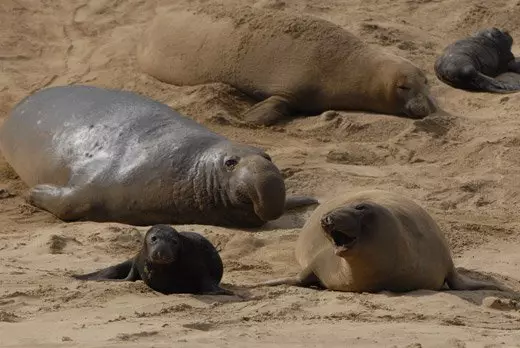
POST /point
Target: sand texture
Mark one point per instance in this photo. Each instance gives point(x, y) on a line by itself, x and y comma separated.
point(464, 169)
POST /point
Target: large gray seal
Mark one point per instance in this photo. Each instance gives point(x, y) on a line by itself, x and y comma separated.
point(170, 262)
point(105, 155)
point(291, 63)
point(372, 241)
point(472, 63)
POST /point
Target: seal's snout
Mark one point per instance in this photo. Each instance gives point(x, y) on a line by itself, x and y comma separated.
point(326, 222)
point(261, 181)
point(162, 243)
point(343, 226)
point(421, 105)
point(271, 197)
point(162, 255)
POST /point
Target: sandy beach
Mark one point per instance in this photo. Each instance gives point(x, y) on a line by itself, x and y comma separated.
point(464, 169)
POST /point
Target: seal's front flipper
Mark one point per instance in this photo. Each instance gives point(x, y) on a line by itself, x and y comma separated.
point(299, 201)
point(514, 66)
point(133, 275)
point(457, 281)
point(60, 201)
point(268, 112)
point(122, 271)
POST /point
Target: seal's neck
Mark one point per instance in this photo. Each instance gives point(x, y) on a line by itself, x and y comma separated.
point(365, 74)
point(209, 188)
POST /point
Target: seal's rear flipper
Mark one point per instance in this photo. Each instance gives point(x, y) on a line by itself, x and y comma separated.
point(299, 201)
point(470, 79)
point(218, 291)
point(268, 112)
point(122, 271)
point(457, 281)
point(305, 278)
point(489, 84)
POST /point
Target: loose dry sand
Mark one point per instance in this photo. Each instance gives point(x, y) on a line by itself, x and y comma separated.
point(464, 170)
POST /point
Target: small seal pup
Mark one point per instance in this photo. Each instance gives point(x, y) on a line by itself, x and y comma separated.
point(290, 63)
point(106, 155)
point(472, 63)
point(372, 241)
point(170, 262)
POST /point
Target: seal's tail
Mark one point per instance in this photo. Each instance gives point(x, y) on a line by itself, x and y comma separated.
point(457, 281)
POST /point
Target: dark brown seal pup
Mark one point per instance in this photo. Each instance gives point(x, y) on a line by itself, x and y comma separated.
point(105, 155)
point(170, 262)
point(372, 241)
point(290, 63)
point(471, 63)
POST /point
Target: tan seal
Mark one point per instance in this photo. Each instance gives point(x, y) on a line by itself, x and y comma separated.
point(372, 241)
point(290, 63)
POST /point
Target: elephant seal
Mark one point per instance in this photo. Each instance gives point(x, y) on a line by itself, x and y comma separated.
point(170, 262)
point(472, 63)
point(372, 241)
point(291, 63)
point(106, 155)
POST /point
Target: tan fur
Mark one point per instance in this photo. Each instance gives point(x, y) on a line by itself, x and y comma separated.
point(404, 250)
point(309, 64)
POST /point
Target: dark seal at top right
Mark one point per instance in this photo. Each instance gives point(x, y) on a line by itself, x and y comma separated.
point(473, 63)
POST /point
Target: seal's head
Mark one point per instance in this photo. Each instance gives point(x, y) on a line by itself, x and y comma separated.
point(348, 226)
point(162, 244)
point(500, 38)
point(408, 91)
point(253, 180)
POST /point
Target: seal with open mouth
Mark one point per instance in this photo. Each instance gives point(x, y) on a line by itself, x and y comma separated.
point(342, 227)
point(372, 241)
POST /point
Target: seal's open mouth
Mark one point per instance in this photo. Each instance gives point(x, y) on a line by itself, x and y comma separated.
point(342, 242)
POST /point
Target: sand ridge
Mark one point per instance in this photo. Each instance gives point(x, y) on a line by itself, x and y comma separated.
point(463, 169)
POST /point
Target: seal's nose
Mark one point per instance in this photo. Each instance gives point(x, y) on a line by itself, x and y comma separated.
point(326, 221)
point(432, 103)
point(265, 187)
point(162, 255)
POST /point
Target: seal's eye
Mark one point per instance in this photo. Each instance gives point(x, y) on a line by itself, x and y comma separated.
point(404, 88)
point(361, 207)
point(231, 163)
point(267, 157)
point(153, 239)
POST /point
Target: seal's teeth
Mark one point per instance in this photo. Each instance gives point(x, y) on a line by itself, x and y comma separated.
point(341, 239)
point(338, 250)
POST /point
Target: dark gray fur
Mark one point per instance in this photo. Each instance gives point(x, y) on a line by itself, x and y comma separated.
point(106, 155)
point(472, 63)
point(170, 262)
